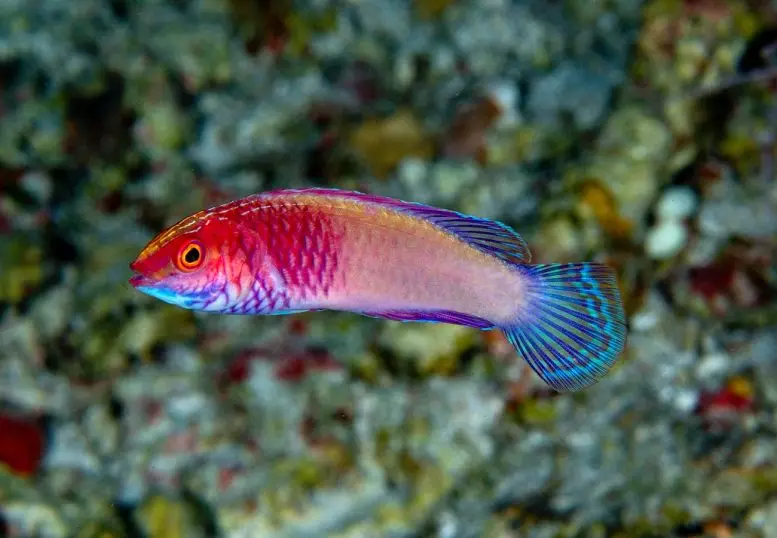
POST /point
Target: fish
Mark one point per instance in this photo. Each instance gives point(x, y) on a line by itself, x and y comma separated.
point(285, 251)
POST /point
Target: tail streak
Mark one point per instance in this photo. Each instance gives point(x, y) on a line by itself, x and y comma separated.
point(572, 327)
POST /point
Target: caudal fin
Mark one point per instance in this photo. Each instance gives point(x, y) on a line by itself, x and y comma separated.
point(572, 327)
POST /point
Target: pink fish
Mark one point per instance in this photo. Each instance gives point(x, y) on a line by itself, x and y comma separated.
point(298, 250)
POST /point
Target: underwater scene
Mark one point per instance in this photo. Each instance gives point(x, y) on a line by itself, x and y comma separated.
point(388, 268)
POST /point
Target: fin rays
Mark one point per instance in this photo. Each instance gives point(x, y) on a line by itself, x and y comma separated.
point(573, 327)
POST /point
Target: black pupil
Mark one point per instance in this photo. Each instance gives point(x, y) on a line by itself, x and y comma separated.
point(192, 255)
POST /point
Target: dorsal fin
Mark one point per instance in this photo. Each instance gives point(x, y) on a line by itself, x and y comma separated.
point(488, 236)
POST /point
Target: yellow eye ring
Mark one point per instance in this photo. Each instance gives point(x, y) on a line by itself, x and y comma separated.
point(190, 257)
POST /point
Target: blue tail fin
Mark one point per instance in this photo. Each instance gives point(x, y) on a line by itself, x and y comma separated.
point(572, 327)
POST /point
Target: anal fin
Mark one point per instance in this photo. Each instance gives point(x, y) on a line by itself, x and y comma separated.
point(433, 316)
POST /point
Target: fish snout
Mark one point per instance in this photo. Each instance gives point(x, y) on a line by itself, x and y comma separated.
point(141, 281)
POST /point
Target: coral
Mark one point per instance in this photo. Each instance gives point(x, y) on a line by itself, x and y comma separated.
point(634, 133)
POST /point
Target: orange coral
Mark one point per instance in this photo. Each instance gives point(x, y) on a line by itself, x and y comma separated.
point(600, 201)
point(384, 142)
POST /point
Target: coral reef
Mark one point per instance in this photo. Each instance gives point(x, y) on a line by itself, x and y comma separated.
point(636, 133)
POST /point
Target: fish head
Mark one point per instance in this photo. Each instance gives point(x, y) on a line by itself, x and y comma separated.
point(189, 265)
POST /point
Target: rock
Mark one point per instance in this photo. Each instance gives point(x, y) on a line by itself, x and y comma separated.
point(570, 89)
point(676, 203)
point(721, 214)
point(666, 239)
point(763, 520)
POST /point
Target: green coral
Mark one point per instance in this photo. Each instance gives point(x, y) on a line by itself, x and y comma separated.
point(21, 257)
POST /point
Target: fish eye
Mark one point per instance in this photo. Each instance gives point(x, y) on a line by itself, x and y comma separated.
point(190, 256)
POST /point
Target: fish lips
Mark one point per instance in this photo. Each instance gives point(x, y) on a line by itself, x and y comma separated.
point(141, 281)
point(158, 290)
point(150, 286)
point(161, 291)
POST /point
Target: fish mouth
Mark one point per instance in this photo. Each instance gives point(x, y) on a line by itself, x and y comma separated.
point(156, 289)
point(140, 281)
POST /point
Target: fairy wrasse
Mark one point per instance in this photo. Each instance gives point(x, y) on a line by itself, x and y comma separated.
point(289, 251)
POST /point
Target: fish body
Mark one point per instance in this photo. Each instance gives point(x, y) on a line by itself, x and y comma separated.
point(325, 249)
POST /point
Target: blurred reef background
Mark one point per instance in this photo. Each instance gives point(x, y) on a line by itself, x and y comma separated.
point(637, 133)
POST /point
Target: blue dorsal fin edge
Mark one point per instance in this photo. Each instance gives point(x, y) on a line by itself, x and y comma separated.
point(489, 236)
